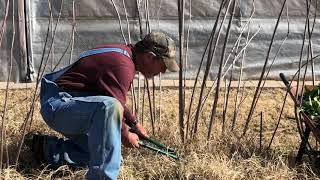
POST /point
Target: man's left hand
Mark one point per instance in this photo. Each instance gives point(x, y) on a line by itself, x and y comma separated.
point(138, 128)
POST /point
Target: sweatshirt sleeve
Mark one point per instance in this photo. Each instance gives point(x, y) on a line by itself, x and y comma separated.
point(124, 130)
point(130, 119)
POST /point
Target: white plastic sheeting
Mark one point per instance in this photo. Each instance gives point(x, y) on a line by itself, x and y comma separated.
point(97, 23)
point(11, 55)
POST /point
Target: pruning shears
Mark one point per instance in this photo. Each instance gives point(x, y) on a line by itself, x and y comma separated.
point(158, 147)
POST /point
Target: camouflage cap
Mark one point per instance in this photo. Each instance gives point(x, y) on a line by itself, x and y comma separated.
point(163, 47)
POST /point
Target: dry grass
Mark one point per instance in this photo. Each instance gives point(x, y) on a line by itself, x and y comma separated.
point(224, 157)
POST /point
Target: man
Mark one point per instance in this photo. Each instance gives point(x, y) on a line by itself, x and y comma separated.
point(86, 102)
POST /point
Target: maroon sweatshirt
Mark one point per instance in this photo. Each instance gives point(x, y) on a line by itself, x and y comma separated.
point(109, 74)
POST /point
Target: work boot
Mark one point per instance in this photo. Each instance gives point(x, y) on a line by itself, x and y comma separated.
point(35, 142)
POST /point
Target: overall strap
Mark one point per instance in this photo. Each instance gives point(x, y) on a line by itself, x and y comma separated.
point(55, 75)
point(103, 50)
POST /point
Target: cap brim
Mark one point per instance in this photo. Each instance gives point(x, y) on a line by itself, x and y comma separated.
point(171, 64)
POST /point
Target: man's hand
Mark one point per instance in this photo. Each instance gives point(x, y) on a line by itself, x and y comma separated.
point(138, 128)
point(131, 140)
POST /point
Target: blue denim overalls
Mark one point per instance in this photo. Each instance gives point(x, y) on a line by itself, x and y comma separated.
point(92, 125)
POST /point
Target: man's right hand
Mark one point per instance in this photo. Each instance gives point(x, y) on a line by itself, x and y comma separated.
point(138, 128)
point(131, 140)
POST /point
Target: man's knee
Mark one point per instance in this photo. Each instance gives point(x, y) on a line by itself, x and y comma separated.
point(113, 105)
point(117, 105)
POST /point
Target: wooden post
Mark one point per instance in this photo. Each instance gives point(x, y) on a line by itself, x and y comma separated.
point(22, 39)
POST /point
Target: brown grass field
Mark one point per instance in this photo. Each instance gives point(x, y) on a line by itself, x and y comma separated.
point(225, 156)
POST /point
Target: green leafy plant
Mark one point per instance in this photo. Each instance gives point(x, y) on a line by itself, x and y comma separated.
point(311, 102)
